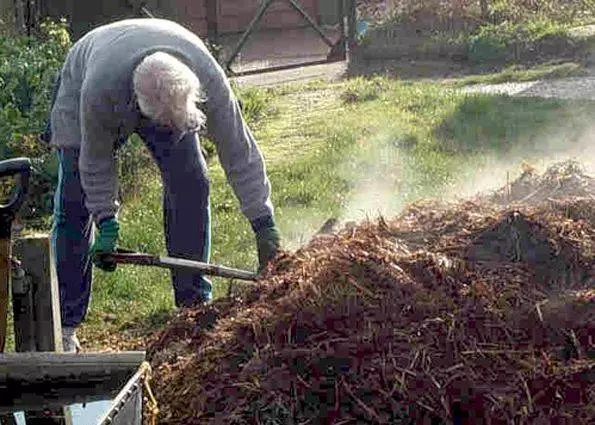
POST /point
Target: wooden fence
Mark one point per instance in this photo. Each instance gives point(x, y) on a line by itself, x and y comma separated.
point(205, 17)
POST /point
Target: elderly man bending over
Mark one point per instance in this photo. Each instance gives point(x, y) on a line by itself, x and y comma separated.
point(146, 76)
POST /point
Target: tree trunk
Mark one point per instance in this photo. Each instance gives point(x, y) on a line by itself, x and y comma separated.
point(483, 4)
point(7, 15)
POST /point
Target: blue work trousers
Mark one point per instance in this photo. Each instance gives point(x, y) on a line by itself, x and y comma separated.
point(187, 221)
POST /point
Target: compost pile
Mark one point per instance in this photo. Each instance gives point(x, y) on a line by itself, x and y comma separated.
point(468, 313)
point(563, 180)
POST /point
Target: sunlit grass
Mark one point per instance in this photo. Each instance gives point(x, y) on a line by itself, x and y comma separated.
point(343, 150)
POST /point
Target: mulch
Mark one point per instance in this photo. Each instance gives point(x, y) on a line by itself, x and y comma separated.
point(479, 312)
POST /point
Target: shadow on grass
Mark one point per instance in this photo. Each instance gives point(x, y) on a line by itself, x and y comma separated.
point(463, 73)
point(486, 123)
point(146, 325)
point(410, 69)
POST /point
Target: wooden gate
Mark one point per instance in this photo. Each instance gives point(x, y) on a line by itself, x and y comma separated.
point(227, 16)
point(210, 19)
point(269, 15)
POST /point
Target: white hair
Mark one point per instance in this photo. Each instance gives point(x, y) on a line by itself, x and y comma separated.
point(167, 92)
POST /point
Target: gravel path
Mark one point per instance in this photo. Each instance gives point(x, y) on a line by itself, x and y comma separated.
point(566, 88)
point(329, 72)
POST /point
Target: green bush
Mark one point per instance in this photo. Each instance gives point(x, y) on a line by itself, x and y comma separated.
point(431, 15)
point(506, 42)
point(563, 11)
point(490, 32)
point(28, 67)
point(444, 15)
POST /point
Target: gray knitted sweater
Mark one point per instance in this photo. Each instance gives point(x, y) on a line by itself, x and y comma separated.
point(94, 108)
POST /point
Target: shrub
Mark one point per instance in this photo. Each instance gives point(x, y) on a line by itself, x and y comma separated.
point(491, 32)
point(562, 11)
point(506, 42)
point(433, 15)
point(28, 67)
point(459, 14)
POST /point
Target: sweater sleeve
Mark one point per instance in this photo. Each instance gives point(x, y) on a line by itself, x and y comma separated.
point(238, 152)
point(97, 161)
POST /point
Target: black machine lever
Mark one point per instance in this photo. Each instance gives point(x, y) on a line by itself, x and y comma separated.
point(14, 167)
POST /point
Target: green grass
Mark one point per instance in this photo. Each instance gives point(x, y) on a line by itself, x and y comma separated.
point(519, 73)
point(345, 150)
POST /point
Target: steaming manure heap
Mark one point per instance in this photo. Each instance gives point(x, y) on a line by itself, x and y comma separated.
point(477, 312)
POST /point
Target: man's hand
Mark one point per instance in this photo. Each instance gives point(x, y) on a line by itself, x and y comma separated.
point(106, 243)
point(268, 242)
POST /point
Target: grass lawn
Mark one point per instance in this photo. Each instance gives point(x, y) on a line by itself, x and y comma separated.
point(347, 150)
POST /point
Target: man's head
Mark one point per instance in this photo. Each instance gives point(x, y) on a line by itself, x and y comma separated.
point(168, 91)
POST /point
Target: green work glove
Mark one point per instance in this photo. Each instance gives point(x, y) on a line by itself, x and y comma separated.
point(106, 243)
point(268, 242)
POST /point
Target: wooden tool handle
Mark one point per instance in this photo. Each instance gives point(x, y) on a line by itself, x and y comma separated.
point(125, 257)
point(4, 282)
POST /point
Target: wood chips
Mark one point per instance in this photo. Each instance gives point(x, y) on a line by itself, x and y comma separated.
point(474, 313)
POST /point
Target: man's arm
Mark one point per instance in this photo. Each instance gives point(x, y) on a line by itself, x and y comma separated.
point(97, 162)
point(238, 152)
point(243, 164)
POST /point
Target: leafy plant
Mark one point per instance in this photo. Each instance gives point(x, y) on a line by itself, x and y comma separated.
point(518, 42)
point(256, 103)
point(483, 32)
point(28, 67)
point(450, 14)
point(362, 90)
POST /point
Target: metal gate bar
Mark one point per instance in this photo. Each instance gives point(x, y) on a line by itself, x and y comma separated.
point(312, 22)
point(350, 9)
point(263, 8)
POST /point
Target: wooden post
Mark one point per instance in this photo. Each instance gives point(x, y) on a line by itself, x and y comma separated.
point(37, 258)
point(7, 15)
point(341, 16)
point(351, 22)
point(20, 16)
point(483, 5)
point(212, 21)
point(4, 284)
point(36, 305)
point(23, 309)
